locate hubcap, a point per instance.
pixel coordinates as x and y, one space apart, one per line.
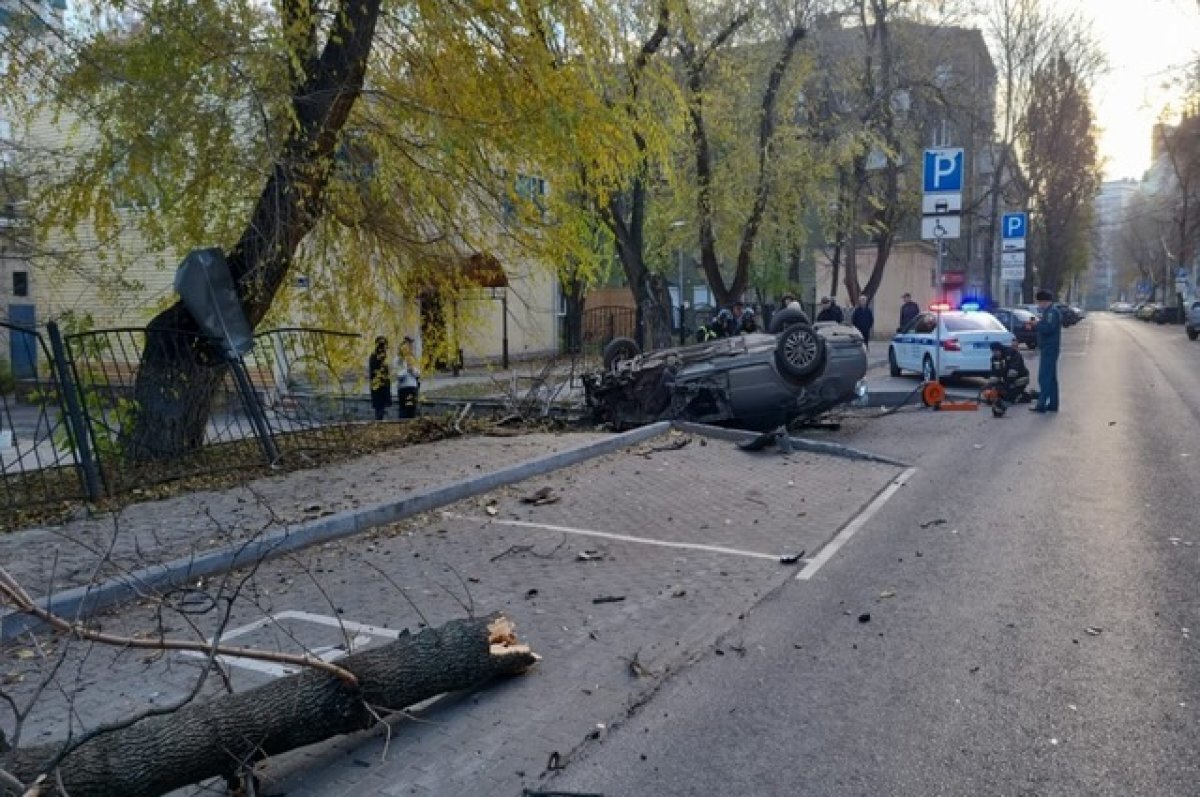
800 349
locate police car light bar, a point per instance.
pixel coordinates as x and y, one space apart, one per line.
940 307
969 306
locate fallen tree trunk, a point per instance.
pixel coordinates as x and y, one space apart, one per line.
214 738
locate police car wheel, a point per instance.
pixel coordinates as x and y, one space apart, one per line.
799 351
618 350
893 366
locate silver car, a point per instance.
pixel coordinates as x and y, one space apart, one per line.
755 381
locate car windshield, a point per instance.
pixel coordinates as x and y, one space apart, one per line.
971 322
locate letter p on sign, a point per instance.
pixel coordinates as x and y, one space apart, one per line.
943 170
1013 226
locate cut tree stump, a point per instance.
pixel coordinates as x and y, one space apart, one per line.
214 738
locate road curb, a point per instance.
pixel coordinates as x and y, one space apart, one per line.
82 602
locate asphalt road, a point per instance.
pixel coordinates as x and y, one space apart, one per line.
1033 614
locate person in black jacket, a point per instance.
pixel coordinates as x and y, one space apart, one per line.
379 377
863 319
1010 376
829 311
909 310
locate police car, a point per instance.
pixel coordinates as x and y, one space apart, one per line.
944 342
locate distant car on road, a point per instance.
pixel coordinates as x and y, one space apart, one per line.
1121 308
1019 321
1145 310
1193 320
755 381
942 342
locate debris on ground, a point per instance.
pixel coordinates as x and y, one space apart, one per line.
543 496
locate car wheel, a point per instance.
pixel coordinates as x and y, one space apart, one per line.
799 351
1193 334
618 350
893 366
928 373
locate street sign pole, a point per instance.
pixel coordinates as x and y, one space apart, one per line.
940 289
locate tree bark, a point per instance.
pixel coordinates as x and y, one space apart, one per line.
324 90
215 738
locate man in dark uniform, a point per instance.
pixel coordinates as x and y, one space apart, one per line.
1049 340
909 310
1009 376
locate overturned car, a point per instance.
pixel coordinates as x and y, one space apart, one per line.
755 381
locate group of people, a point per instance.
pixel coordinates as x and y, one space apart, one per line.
379 375
862 317
737 320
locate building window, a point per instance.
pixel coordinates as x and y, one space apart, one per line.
20 283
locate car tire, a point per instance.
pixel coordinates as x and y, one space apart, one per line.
1193 334
893 367
799 351
928 372
618 350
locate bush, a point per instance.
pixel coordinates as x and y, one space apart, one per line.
8 383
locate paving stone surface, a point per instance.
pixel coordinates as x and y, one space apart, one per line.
679 538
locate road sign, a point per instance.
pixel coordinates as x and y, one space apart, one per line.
1012 259
941 204
1013 246
944 170
1012 273
934 227
1013 227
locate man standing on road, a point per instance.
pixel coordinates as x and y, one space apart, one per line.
909 310
863 319
1049 339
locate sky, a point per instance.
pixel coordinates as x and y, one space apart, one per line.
1146 41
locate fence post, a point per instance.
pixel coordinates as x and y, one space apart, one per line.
258 418
76 422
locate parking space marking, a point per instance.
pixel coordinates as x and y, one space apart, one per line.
363 634
851 528
692 546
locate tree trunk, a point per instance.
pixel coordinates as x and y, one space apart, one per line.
324 90
212 738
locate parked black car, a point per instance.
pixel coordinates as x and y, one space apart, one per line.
1070 316
1167 314
1020 322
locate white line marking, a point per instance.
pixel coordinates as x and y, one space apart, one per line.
851 528
330 653
623 537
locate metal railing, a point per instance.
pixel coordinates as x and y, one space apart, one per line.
112 415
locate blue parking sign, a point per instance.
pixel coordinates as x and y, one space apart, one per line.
943 170
1013 226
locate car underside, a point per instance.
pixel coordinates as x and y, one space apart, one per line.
754 381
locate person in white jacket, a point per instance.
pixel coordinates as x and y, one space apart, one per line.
408 380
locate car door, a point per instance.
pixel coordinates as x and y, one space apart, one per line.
901 343
923 340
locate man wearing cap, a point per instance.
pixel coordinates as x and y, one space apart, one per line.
1049 339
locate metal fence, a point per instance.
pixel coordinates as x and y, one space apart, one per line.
38 463
111 415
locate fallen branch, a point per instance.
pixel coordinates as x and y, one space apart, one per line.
215 738
10 589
